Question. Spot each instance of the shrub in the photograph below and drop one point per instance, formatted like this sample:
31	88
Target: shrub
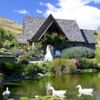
25	61
95	33
45	67
28	70
62	66
87	64
77	52
31	69
37	51
5	51
54	39
97	57
1	76
9	67
7	39
22	58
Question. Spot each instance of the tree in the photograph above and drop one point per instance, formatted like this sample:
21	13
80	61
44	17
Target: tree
7	39
54	39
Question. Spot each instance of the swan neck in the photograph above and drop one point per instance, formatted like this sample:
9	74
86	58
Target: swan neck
6	89
52	88
80	88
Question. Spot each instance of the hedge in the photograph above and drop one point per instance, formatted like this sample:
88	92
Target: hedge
78	52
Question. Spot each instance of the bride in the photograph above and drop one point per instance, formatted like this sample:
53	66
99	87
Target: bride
48	56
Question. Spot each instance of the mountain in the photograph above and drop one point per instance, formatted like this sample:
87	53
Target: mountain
11	26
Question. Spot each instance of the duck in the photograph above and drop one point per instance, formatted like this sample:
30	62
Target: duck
87	91
58	93
6	93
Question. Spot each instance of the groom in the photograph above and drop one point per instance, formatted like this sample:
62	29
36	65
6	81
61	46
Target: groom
52	50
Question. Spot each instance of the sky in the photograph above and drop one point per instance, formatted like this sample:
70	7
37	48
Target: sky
85	12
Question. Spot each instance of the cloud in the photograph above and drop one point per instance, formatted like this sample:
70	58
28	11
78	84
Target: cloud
87	17
22	11
39	11
94	1
41	3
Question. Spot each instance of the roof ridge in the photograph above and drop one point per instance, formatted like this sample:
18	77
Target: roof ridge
47	17
69	27
64	19
88	29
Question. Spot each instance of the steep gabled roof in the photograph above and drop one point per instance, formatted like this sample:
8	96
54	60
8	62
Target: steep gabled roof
89	35
34	28
31	26
71	29
45	26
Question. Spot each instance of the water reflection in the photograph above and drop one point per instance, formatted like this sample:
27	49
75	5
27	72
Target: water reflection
80	94
31	88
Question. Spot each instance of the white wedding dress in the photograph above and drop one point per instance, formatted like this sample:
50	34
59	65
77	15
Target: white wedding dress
48	56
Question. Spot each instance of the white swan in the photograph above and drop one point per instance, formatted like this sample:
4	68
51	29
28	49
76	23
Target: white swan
84	91
59	93
40	75
48	88
6	93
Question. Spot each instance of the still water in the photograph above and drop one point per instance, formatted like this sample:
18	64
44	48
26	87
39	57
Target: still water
33	87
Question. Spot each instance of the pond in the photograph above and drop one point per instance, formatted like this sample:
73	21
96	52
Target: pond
33	87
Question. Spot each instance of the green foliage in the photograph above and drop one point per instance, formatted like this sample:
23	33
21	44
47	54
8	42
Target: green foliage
1	76
7	39
77	52
24	98
2	50
45	68
22	58
95	33
30	69
97	57
54	39
12	69
10	99
5	51
51	98
30	55
62	66
9	68
88	64
37	51
40	98
37	47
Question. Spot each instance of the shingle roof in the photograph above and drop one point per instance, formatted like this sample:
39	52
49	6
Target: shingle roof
31	25
89	35
71	30
34	27
43	28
